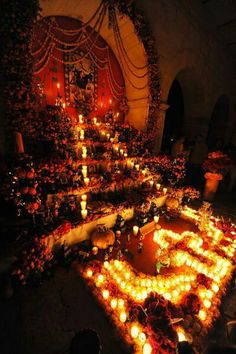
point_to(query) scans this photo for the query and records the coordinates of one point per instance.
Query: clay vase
(211, 186)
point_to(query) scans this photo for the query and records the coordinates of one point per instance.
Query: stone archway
(195, 113)
(195, 118)
(218, 122)
(174, 118)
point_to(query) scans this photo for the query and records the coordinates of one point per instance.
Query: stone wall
(190, 51)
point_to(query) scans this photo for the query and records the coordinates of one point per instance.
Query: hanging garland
(17, 62)
(127, 8)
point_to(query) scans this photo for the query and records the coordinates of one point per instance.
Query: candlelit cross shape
(190, 261)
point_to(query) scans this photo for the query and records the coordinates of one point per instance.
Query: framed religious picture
(81, 82)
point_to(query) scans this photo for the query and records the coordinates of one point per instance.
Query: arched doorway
(174, 116)
(218, 122)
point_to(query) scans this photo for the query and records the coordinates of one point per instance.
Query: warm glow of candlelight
(158, 186)
(164, 190)
(84, 213)
(84, 173)
(83, 204)
(156, 218)
(137, 167)
(84, 197)
(123, 317)
(58, 85)
(135, 229)
(147, 349)
(86, 181)
(134, 331)
(89, 273)
(105, 294)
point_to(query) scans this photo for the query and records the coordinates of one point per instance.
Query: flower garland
(17, 62)
(143, 32)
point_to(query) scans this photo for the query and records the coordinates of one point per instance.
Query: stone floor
(43, 320)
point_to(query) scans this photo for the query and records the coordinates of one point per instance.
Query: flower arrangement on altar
(33, 262)
(191, 193)
(216, 165)
(21, 186)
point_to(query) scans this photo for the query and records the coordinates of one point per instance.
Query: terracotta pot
(211, 186)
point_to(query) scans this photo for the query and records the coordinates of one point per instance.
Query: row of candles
(94, 119)
(118, 304)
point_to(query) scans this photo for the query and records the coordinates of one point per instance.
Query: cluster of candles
(120, 151)
(118, 306)
(83, 204)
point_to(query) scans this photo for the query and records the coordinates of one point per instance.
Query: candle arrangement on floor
(105, 188)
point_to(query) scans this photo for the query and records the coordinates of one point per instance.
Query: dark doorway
(174, 116)
(218, 123)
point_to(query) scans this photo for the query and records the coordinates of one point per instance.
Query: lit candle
(84, 197)
(110, 101)
(83, 204)
(164, 190)
(84, 173)
(84, 213)
(113, 303)
(121, 151)
(94, 120)
(134, 331)
(131, 164)
(64, 105)
(95, 250)
(142, 337)
(135, 230)
(105, 294)
(84, 167)
(144, 172)
(81, 118)
(86, 181)
(151, 183)
(108, 136)
(58, 85)
(123, 317)
(156, 219)
(137, 167)
(125, 154)
(147, 349)
(84, 155)
(81, 137)
(89, 273)
(158, 186)
(121, 303)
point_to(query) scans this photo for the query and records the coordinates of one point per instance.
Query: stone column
(161, 122)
